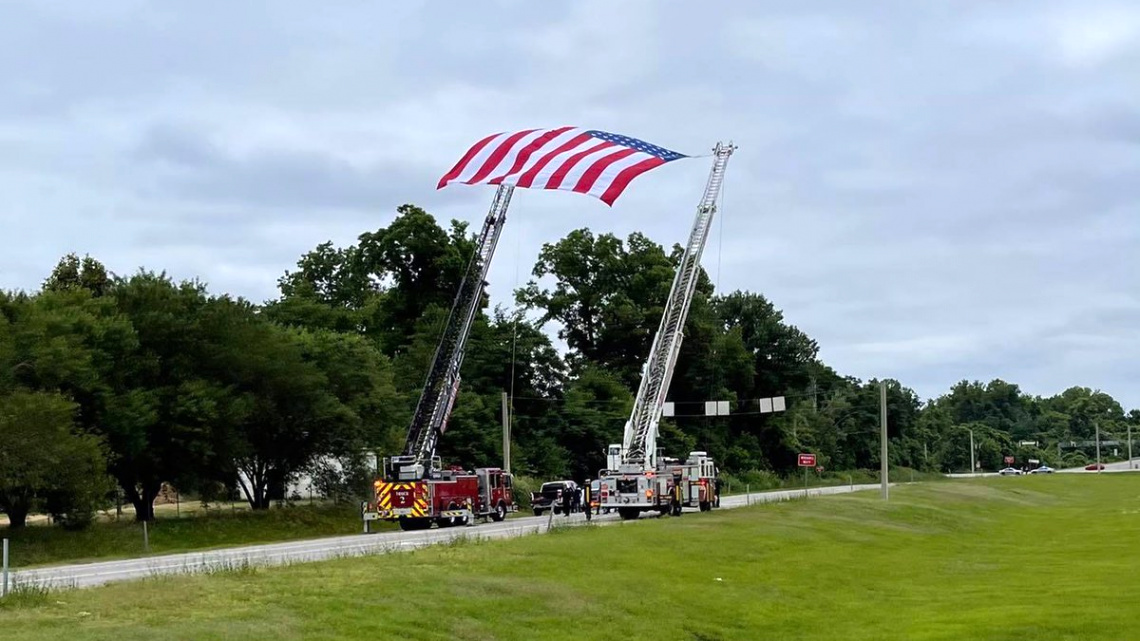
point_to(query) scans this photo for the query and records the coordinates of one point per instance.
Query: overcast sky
(932, 190)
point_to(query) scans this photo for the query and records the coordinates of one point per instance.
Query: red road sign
(1009, 460)
(819, 469)
(807, 460)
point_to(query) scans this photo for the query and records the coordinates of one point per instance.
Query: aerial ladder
(633, 481)
(414, 488)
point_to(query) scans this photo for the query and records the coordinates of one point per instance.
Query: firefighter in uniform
(586, 499)
(567, 500)
(676, 495)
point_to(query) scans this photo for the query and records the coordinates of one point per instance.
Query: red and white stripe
(566, 158)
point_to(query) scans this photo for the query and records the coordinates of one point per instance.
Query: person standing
(586, 499)
(567, 500)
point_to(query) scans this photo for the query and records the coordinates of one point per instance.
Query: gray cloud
(934, 191)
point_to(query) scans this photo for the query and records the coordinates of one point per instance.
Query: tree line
(117, 384)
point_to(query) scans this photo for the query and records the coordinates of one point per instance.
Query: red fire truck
(456, 497)
(415, 490)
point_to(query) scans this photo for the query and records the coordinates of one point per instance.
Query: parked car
(1092, 467)
(1044, 469)
(1010, 471)
(549, 496)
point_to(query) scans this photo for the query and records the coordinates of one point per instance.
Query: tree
(594, 415)
(608, 298)
(151, 412)
(384, 285)
(73, 272)
(361, 379)
(44, 459)
(279, 413)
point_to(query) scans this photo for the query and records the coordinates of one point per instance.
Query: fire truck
(697, 477)
(415, 490)
(636, 479)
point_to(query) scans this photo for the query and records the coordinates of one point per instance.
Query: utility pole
(883, 463)
(973, 466)
(506, 434)
(1097, 425)
(1130, 446)
(814, 396)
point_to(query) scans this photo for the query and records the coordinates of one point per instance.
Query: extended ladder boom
(442, 385)
(640, 438)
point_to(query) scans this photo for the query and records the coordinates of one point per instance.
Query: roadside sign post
(805, 461)
(4, 584)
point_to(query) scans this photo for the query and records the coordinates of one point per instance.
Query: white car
(1010, 471)
(1044, 469)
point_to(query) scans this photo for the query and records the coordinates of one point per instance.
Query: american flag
(587, 161)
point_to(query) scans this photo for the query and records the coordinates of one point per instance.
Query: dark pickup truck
(549, 496)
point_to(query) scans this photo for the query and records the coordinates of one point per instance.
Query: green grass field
(193, 528)
(1004, 558)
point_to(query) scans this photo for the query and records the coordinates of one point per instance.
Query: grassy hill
(1044, 557)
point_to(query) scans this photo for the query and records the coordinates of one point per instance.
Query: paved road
(1120, 466)
(93, 574)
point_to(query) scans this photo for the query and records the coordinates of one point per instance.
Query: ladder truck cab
(631, 490)
(634, 482)
(414, 489)
(698, 478)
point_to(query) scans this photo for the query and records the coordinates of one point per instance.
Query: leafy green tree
(361, 378)
(73, 272)
(46, 461)
(608, 298)
(279, 413)
(151, 416)
(594, 415)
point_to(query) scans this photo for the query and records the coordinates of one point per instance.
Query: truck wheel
(537, 512)
(628, 513)
(705, 506)
(500, 512)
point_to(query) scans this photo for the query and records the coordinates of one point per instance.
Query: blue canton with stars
(639, 145)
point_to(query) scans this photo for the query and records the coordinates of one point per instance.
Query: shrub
(523, 486)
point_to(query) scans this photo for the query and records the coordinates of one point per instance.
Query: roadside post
(4, 584)
(146, 538)
(805, 461)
